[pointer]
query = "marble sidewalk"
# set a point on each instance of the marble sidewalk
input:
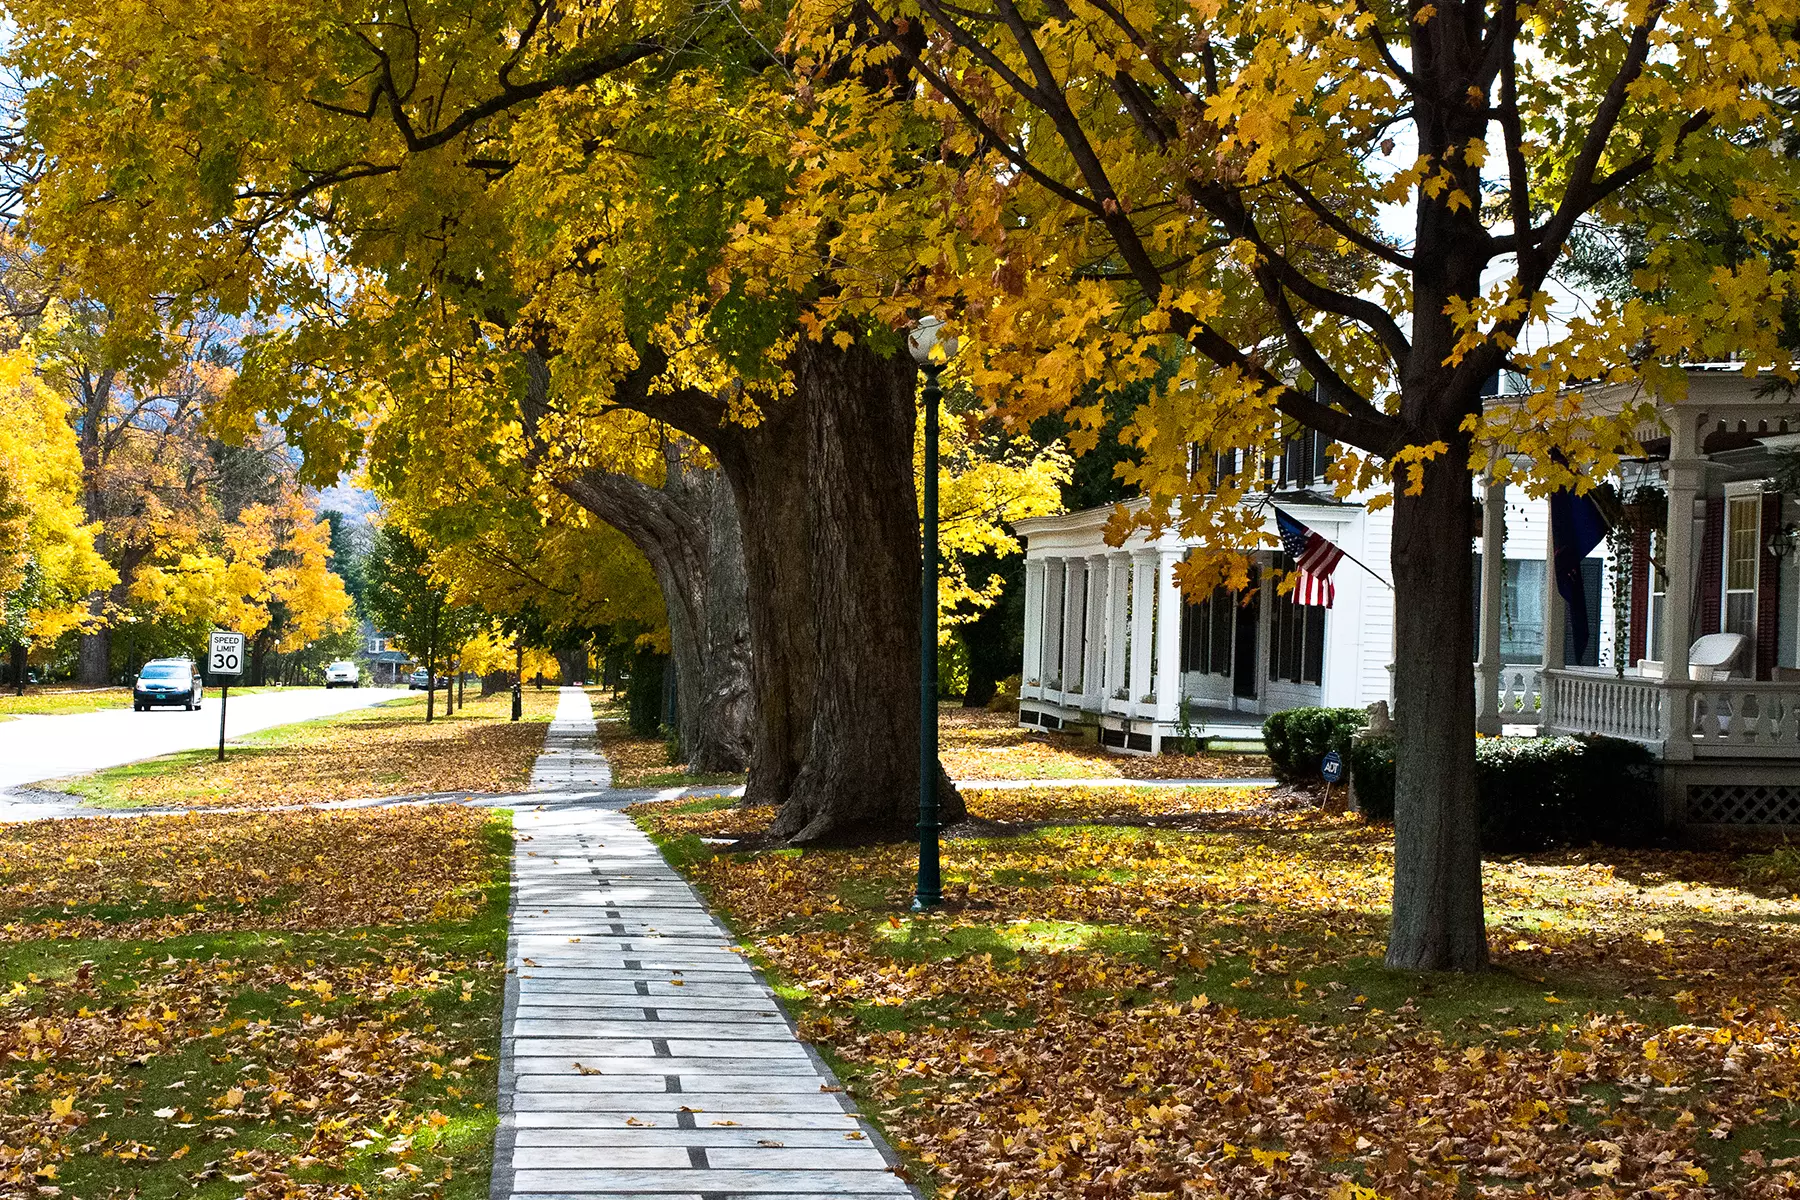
(642, 1055)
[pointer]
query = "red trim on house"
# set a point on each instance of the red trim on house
(1711, 581)
(1640, 594)
(1768, 588)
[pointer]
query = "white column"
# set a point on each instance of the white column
(1143, 631)
(1678, 622)
(1074, 626)
(1053, 624)
(1168, 637)
(1678, 615)
(1493, 576)
(1118, 625)
(1033, 666)
(1093, 670)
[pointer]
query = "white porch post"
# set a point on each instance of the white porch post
(1678, 600)
(1554, 614)
(1168, 637)
(1143, 635)
(1053, 624)
(1118, 620)
(1074, 625)
(1493, 576)
(1033, 666)
(1093, 671)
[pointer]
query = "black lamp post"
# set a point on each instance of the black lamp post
(931, 352)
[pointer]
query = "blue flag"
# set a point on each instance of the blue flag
(1576, 527)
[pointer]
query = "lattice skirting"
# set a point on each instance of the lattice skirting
(1743, 803)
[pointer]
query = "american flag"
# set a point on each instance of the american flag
(1314, 561)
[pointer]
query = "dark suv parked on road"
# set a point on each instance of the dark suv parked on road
(167, 681)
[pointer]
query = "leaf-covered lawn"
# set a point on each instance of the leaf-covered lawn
(641, 762)
(977, 744)
(55, 700)
(1195, 1005)
(269, 1006)
(386, 750)
(52, 699)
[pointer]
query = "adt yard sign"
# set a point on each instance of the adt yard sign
(1331, 766)
(224, 662)
(225, 655)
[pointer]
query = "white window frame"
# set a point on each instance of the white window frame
(1747, 496)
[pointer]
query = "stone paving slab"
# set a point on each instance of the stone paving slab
(643, 1056)
(691, 1180)
(722, 1115)
(707, 1137)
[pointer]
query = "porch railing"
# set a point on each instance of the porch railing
(1743, 717)
(1520, 694)
(1724, 719)
(1628, 707)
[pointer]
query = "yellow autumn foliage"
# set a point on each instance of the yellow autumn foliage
(48, 561)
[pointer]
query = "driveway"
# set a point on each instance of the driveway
(50, 747)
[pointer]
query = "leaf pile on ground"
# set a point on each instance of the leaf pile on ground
(1111, 1011)
(977, 744)
(1184, 807)
(386, 750)
(163, 876)
(307, 1054)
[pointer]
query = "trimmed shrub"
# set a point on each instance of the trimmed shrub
(1299, 737)
(1538, 792)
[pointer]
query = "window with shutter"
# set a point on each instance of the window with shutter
(1743, 529)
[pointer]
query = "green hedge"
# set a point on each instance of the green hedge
(1538, 792)
(1299, 737)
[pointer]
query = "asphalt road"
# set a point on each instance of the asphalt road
(33, 748)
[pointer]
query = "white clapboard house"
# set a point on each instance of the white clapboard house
(1693, 643)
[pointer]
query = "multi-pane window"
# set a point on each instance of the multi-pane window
(1206, 633)
(1743, 530)
(1296, 638)
(1522, 611)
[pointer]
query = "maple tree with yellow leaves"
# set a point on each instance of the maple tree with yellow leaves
(1337, 215)
(1333, 214)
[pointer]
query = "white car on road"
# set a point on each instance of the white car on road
(342, 674)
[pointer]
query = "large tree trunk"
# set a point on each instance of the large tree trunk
(838, 590)
(1438, 923)
(829, 518)
(727, 709)
(688, 531)
(93, 667)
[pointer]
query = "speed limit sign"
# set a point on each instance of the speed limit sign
(226, 654)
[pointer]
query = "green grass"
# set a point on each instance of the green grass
(64, 701)
(57, 700)
(56, 977)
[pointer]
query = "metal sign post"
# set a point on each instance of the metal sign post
(225, 662)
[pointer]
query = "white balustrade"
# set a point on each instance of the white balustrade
(1520, 698)
(1629, 707)
(1741, 717)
